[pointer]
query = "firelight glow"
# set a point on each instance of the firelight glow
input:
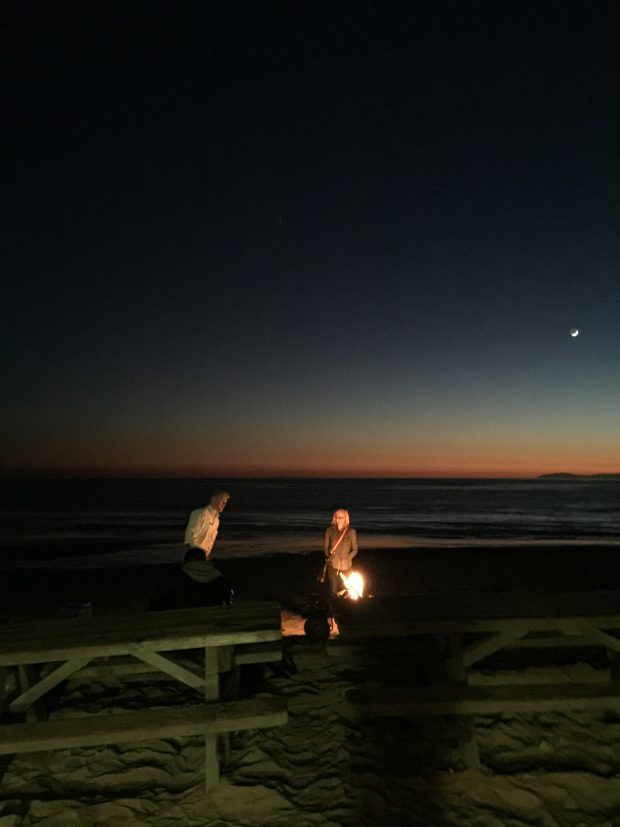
(353, 584)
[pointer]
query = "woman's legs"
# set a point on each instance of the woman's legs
(334, 581)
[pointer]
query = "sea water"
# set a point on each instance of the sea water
(110, 522)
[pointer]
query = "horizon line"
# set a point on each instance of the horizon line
(10, 474)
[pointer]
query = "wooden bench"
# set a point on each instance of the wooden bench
(270, 652)
(468, 628)
(398, 702)
(68, 645)
(65, 646)
(145, 724)
(129, 669)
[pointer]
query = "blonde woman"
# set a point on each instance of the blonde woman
(339, 547)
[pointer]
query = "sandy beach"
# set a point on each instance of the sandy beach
(327, 766)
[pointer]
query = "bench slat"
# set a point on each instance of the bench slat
(267, 652)
(61, 639)
(143, 724)
(554, 642)
(128, 668)
(38, 688)
(172, 668)
(482, 700)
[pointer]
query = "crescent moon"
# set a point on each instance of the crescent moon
(574, 332)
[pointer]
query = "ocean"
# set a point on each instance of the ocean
(77, 523)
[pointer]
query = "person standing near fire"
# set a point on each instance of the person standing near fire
(339, 547)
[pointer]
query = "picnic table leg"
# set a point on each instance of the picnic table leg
(229, 691)
(212, 767)
(464, 724)
(228, 667)
(212, 673)
(212, 691)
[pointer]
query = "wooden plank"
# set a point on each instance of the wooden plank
(408, 626)
(211, 682)
(144, 724)
(125, 668)
(138, 672)
(36, 690)
(258, 652)
(225, 659)
(466, 731)
(483, 700)
(211, 685)
(481, 612)
(129, 668)
(607, 640)
(60, 639)
(174, 669)
(535, 675)
(553, 642)
(477, 651)
(485, 605)
(27, 677)
(585, 635)
(212, 763)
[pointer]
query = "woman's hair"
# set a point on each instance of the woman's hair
(344, 513)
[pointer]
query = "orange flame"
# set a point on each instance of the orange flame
(354, 585)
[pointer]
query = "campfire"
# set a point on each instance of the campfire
(353, 585)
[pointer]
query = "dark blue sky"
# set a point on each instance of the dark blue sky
(312, 237)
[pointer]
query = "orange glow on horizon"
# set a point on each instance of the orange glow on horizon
(452, 455)
(446, 472)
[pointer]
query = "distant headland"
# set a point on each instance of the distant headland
(579, 477)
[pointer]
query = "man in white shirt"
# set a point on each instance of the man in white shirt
(203, 523)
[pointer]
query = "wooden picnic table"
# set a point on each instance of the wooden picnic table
(71, 643)
(44, 653)
(476, 611)
(468, 628)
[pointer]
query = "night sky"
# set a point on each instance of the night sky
(311, 238)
